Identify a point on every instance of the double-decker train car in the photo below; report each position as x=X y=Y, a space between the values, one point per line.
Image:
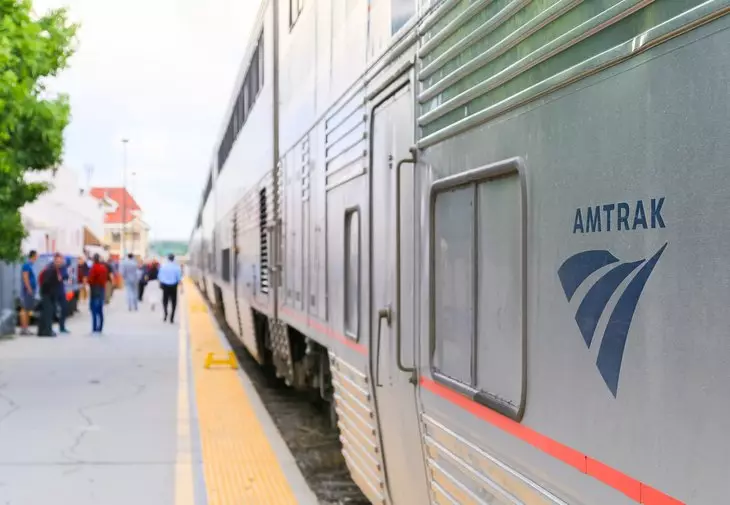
x=488 y=232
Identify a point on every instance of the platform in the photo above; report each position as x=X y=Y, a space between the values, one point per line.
x=133 y=416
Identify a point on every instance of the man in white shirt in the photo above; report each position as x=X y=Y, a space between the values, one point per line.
x=169 y=277
x=128 y=269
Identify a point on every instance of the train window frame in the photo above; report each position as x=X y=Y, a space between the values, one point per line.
x=466 y=179
x=295 y=11
x=350 y=213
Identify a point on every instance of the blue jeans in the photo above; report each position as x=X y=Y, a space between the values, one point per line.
x=96 y=305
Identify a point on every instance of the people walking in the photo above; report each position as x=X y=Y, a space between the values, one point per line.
x=169 y=277
x=82 y=278
x=142 y=273
x=152 y=272
x=50 y=283
x=98 y=278
x=28 y=292
x=130 y=276
x=109 y=286
x=61 y=301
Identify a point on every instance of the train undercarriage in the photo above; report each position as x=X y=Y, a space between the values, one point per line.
x=299 y=361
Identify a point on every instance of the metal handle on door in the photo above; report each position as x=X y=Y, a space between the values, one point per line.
x=387 y=314
x=398 y=358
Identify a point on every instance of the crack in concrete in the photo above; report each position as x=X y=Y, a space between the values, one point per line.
x=83 y=412
x=74 y=469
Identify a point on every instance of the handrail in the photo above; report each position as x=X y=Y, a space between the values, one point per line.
x=398 y=358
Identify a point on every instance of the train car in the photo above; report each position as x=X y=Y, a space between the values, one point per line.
x=486 y=231
x=196 y=253
x=206 y=259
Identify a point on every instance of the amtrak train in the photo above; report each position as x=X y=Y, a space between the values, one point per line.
x=489 y=234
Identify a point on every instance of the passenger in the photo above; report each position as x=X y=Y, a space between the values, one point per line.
x=28 y=292
x=128 y=269
x=82 y=278
x=152 y=274
x=109 y=287
x=61 y=302
x=98 y=281
x=169 y=277
x=50 y=284
x=142 y=273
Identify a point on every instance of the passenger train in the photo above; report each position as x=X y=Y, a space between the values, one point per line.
x=489 y=232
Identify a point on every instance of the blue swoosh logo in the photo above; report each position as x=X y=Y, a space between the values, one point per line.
x=574 y=271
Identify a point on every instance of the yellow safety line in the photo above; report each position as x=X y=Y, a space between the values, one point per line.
x=239 y=464
x=184 y=492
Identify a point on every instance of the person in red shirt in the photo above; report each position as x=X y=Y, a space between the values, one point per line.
x=97 y=279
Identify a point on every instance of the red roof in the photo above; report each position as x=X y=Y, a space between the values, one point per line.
x=117 y=195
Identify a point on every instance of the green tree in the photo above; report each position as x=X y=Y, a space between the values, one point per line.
x=32 y=49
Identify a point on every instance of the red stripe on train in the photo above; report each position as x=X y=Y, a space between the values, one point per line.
x=634 y=489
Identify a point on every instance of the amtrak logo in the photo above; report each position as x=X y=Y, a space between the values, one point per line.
x=574 y=271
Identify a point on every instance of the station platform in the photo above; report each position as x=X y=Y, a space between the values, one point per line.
x=134 y=416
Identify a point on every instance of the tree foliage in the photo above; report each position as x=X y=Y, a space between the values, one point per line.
x=32 y=49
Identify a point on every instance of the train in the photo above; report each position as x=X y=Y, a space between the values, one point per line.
x=489 y=234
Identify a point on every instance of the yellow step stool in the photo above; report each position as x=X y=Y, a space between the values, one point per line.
x=230 y=361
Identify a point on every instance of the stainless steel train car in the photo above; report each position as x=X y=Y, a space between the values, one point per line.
x=488 y=232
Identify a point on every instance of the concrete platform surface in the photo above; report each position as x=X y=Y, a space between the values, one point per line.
x=113 y=419
x=91 y=419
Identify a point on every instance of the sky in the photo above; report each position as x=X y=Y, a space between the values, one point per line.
x=159 y=73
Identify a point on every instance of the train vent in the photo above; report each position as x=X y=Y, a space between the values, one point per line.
x=264 y=243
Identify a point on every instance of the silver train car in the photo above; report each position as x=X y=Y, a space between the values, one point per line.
x=487 y=231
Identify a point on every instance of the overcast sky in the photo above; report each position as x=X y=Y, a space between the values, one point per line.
x=160 y=73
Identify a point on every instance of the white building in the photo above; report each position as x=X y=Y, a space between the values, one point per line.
x=65 y=218
x=125 y=230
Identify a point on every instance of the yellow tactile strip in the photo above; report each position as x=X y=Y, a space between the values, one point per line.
x=239 y=464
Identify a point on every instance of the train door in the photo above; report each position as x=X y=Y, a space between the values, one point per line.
x=392 y=295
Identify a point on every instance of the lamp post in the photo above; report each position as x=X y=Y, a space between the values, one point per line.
x=124 y=197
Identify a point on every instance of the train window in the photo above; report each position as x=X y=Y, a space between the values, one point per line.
x=260 y=61
x=226 y=265
x=400 y=12
x=246 y=99
x=454 y=277
x=253 y=77
x=478 y=285
x=499 y=288
x=352 y=273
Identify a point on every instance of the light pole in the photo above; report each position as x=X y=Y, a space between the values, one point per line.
x=124 y=197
